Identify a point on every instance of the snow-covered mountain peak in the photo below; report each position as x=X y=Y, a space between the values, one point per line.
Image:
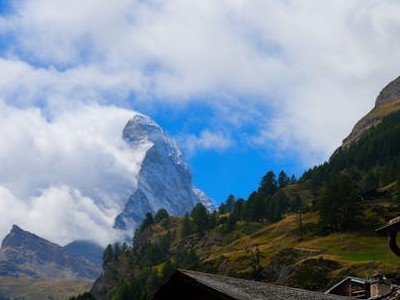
x=142 y=129
x=164 y=179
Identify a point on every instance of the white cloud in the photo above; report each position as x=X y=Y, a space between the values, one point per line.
x=206 y=140
x=341 y=53
x=78 y=158
x=22 y=84
x=299 y=73
x=306 y=59
x=60 y=214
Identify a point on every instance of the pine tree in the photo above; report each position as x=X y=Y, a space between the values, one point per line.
x=278 y=205
x=201 y=219
x=256 y=207
x=256 y=257
x=162 y=217
x=108 y=254
x=338 y=203
x=186 y=226
x=240 y=209
x=283 y=180
x=268 y=185
x=230 y=203
x=230 y=225
x=147 y=221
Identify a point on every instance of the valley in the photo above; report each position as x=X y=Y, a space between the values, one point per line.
x=39 y=289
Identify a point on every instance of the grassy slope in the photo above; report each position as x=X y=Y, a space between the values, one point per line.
x=39 y=289
x=359 y=254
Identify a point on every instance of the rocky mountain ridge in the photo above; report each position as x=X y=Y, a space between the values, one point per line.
x=387 y=102
x=88 y=250
x=25 y=254
x=164 y=179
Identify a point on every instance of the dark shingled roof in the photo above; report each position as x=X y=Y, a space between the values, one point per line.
x=222 y=287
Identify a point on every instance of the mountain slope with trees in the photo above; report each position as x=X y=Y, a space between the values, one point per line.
x=307 y=232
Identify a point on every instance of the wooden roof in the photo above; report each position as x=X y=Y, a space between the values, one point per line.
x=353 y=279
x=186 y=284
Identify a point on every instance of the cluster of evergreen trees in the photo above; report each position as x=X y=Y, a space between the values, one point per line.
x=113 y=252
x=373 y=161
x=369 y=164
x=337 y=185
x=150 y=259
x=268 y=203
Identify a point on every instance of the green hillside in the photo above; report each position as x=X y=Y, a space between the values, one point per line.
x=260 y=251
x=306 y=233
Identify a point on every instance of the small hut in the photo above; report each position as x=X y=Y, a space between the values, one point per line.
x=355 y=287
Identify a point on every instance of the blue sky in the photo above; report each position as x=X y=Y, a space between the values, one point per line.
x=4 y=6
x=243 y=86
x=235 y=169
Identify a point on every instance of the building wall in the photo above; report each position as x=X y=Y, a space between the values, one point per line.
x=379 y=288
x=352 y=289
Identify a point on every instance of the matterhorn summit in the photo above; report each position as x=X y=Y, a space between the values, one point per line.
x=164 y=179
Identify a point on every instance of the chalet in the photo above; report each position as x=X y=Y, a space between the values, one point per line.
x=190 y=285
x=378 y=287
x=355 y=287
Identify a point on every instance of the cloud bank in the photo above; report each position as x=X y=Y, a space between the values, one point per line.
x=297 y=73
x=68 y=177
x=317 y=66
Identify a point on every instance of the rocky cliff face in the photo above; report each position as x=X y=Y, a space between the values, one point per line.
x=164 y=179
x=386 y=103
x=390 y=93
x=25 y=254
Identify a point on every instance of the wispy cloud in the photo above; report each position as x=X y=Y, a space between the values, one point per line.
x=206 y=140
